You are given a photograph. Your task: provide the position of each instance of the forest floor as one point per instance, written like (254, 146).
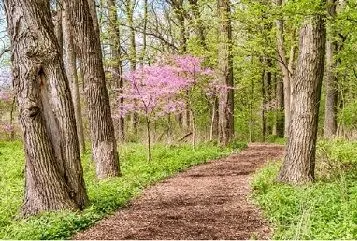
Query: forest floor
(210, 201)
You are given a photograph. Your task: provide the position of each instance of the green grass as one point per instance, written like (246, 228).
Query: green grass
(325, 209)
(105, 196)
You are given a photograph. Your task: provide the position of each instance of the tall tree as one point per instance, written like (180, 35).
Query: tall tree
(116, 57)
(53, 173)
(284, 65)
(130, 10)
(279, 95)
(299, 162)
(225, 72)
(330, 123)
(144, 33)
(198, 24)
(70, 61)
(104, 147)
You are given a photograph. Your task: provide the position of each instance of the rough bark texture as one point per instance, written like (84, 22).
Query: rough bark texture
(117, 65)
(53, 173)
(283, 62)
(299, 162)
(226, 98)
(330, 123)
(58, 24)
(70, 61)
(104, 147)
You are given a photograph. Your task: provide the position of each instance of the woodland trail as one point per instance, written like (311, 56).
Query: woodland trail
(210, 201)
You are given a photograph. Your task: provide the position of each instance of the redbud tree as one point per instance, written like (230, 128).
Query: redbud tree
(162, 88)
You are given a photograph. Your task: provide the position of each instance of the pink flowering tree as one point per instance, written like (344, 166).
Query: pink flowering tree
(160, 89)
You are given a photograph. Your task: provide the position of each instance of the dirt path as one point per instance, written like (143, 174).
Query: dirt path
(206, 202)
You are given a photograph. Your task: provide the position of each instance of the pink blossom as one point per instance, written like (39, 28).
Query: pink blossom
(158, 89)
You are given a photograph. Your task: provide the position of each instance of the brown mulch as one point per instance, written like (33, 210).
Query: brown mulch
(210, 201)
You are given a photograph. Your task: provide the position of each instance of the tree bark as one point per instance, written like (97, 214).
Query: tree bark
(264, 104)
(58, 24)
(53, 172)
(104, 147)
(299, 162)
(70, 62)
(116, 61)
(283, 62)
(279, 108)
(130, 7)
(145, 24)
(331, 81)
(225, 68)
(214, 119)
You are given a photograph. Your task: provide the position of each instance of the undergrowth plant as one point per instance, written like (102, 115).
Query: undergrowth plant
(325, 209)
(105, 196)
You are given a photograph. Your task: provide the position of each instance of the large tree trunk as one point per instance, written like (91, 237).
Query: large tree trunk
(330, 123)
(53, 173)
(299, 162)
(225, 68)
(70, 62)
(104, 147)
(117, 65)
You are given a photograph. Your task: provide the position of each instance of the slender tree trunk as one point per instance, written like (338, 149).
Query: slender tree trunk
(279, 108)
(225, 60)
(264, 104)
(299, 162)
(194, 131)
(285, 71)
(11, 121)
(179, 13)
(104, 147)
(200, 31)
(330, 123)
(115, 45)
(130, 5)
(145, 24)
(53, 172)
(214, 119)
(148, 129)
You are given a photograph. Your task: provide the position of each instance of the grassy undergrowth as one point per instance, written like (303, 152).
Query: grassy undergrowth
(325, 209)
(105, 196)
